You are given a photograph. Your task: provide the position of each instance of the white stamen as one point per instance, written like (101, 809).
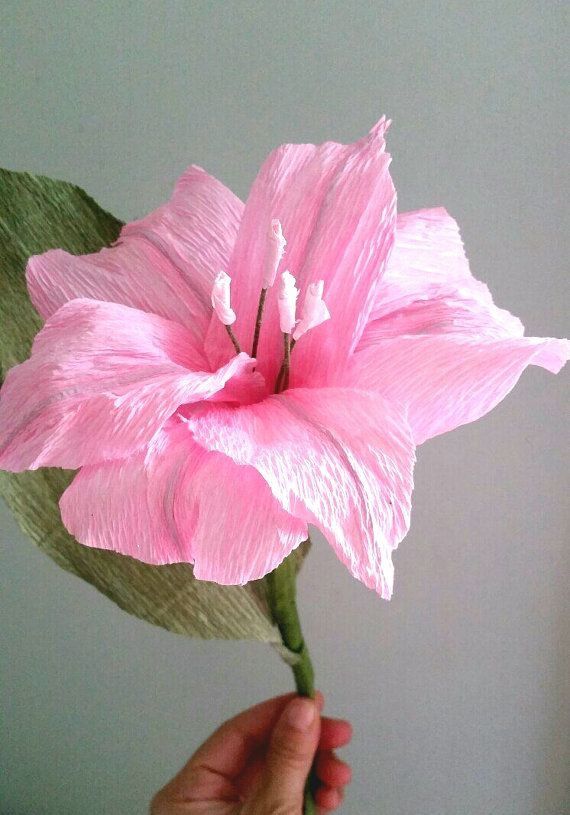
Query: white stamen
(221, 298)
(315, 310)
(275, 248)
(286, 302)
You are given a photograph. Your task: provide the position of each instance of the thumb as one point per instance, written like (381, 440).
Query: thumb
(288, 762)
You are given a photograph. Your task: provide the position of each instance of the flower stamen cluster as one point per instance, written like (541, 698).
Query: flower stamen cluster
(314, 311)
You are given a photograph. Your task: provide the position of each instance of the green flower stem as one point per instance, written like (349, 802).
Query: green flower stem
(281, 591)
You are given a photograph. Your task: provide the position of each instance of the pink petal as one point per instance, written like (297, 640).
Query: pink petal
(338, 458)
(164, 263)
(178, 503)
(428, 288)
(336, 204)
(102, 379)
(448, 380)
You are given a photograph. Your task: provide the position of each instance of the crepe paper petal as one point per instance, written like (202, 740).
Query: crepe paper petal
(336, 204)
(429, 289)
(164, 263)
(348, 250)
(176, 502)
(196, 229)
(338, 458)
(445, 381)
(102, 379)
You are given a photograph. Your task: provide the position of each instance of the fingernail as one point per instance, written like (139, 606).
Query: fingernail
(301, 714)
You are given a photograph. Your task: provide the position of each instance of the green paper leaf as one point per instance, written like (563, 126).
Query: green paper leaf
(37, 214)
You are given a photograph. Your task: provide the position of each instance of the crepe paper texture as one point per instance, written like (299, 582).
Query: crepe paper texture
(141, 377)
(37, 214)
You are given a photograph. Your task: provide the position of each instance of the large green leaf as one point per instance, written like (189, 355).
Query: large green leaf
(37, 214)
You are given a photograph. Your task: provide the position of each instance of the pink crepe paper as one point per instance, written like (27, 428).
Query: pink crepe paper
(184, 452)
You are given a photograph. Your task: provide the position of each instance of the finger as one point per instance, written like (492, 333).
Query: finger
(334, 733)
(328, 799)
(250, 777)
(228, 749)
(332, 771)
(289, 758)
(248, 781)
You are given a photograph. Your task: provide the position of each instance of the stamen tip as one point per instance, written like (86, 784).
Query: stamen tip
(221, 299)
(315, 310)
(287, 300)
(275, 249)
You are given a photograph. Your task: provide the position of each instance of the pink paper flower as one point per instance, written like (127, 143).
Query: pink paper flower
(185, 451)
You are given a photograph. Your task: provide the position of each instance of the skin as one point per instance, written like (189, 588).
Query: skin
(257, 763)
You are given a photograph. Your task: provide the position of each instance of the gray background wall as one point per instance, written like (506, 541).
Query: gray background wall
(457, 687)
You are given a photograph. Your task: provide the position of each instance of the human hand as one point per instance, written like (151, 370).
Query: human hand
(258, 763)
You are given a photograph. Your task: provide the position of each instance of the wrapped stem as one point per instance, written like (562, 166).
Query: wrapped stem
(281, 591)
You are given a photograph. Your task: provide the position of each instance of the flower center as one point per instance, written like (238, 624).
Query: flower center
(313, 314)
